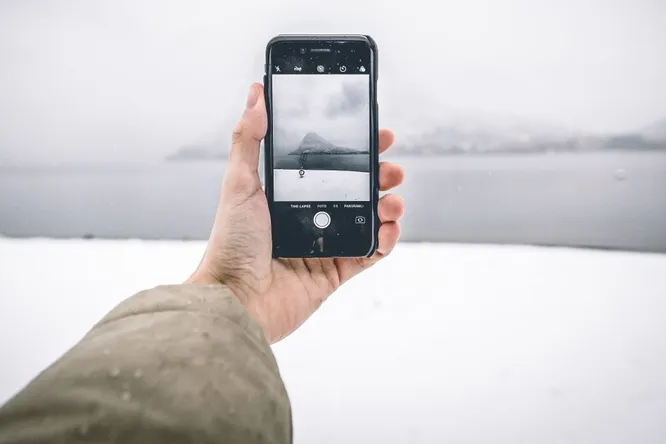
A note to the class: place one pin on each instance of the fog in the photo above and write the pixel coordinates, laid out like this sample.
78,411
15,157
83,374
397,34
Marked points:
133,80
336,107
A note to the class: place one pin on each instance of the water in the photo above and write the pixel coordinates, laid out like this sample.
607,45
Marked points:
606,200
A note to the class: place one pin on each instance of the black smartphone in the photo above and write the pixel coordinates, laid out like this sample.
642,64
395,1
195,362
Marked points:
321,171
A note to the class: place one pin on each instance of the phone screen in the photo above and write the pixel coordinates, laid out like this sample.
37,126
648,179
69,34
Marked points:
322,147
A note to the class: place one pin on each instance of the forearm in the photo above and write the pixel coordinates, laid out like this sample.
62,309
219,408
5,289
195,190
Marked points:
176,363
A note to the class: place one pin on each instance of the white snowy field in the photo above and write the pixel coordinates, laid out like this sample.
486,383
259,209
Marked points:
439,343
321,185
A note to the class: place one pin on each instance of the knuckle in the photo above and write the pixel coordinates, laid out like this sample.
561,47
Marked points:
244,180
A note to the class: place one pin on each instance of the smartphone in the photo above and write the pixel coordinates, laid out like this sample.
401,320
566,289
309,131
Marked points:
321,157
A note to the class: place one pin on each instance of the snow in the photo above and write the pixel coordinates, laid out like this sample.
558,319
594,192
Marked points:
321,185
439,343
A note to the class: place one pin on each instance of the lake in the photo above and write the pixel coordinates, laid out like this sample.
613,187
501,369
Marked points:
601,200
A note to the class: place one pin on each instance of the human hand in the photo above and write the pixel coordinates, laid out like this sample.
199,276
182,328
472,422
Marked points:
279,293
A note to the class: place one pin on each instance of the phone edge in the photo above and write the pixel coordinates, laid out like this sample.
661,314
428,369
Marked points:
268,160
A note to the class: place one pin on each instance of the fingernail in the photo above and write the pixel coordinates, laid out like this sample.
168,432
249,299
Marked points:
252,97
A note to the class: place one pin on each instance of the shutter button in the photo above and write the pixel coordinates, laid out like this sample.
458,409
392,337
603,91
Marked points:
322,219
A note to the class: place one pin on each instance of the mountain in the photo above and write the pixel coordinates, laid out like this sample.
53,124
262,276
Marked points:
486,137
466,133
633,142
656,131
313,143
479,137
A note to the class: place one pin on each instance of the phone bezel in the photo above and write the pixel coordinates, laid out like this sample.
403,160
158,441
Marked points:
374,139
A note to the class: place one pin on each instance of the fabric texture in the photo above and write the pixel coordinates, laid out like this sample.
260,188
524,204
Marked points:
175,364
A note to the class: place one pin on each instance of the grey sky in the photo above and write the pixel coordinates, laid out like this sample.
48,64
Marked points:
313,103
129,80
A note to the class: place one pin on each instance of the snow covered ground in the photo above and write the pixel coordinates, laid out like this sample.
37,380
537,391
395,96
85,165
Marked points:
439,343
321,185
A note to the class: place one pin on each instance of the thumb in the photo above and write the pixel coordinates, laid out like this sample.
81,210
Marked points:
249,131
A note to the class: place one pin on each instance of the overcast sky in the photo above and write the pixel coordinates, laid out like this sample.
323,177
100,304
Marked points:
333,106
129,80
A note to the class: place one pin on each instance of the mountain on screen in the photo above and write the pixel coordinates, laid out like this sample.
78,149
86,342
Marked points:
313,143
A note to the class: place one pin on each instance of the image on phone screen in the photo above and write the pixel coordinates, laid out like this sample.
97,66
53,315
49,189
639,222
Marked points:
321,138
322,155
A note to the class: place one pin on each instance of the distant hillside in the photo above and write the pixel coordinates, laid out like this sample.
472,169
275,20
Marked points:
655,131
452,140
313,143
193,152
470,136
634,142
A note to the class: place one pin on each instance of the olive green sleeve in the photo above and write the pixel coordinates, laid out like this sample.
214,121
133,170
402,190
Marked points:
175,364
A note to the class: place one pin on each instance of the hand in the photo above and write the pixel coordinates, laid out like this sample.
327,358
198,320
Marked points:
279,293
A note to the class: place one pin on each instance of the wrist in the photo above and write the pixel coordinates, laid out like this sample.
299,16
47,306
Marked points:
201,277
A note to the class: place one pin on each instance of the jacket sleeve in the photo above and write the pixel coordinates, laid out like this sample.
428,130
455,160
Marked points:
175,364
